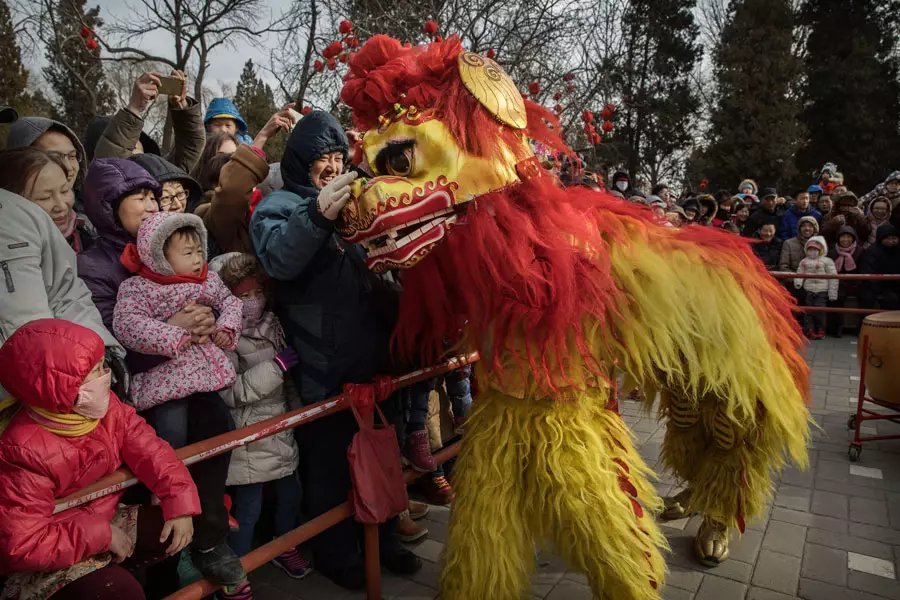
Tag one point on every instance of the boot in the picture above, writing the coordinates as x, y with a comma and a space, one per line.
418, 451
676, 507
711, 544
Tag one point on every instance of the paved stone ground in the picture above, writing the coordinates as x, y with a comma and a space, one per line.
833, 532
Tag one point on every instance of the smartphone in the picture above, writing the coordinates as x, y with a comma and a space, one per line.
170, 86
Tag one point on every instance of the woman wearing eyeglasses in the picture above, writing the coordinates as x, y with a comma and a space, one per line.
180, 192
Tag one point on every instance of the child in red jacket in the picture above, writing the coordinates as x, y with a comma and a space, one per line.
68, 431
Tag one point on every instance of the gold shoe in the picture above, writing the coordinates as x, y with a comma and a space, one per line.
711, 544
676, 507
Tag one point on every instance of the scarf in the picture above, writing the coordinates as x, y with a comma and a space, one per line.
71, 232
71, 425
131, 260
844, 260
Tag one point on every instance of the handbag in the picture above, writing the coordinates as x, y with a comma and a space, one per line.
379, 488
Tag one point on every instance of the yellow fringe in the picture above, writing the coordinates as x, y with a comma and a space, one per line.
535, 471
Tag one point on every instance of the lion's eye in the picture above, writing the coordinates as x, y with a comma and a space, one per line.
400, 162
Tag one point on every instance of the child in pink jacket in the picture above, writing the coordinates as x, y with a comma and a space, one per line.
171, 272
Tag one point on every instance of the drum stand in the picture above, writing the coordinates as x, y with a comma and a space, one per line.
863, 414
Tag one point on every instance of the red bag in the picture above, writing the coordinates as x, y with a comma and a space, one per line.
379, 489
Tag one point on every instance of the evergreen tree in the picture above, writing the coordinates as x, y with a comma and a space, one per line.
13, 76
852, 94
754, 126
75, 72
255, 101
653, 122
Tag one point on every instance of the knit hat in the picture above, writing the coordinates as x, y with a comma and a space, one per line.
895, 176
234, 268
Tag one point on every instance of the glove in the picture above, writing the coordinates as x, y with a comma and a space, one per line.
121, 378
286, 359
334, 196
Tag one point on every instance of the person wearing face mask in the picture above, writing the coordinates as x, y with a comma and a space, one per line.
818, 291
889, 189
882, 258
261, 360
68, 431
41, 177
622, 183
338, 316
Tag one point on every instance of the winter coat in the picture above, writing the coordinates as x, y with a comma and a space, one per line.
116, 136
751, 182
791, 219
141, 311
336, 314
759, 217
769, 252
857, 254
874, 224
822, 265
45, 363
40, 274
794, 249
224, 107
879, 259
854, 218
227, 216
881, 190
163, 171
108, 180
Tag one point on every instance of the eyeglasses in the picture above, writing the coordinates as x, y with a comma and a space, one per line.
71, 157
167, 201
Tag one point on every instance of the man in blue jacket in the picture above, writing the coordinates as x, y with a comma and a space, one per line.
223, 116
338, 316
801, 208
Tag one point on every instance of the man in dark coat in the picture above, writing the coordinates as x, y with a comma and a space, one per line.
338, 315
769, 211
883, 258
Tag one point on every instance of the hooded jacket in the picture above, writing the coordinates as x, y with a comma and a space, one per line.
821, 265
45, 362
787, 229
881, 190
874, 223
116, 136
258, 393
336, 314
754, 188
223, 107
880, 259
857, 253
794, 249
143, 306
27, 130
163, 171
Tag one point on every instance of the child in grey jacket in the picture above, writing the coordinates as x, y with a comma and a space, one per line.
261, 360
818, 291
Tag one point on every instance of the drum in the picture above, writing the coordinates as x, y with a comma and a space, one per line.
883, 368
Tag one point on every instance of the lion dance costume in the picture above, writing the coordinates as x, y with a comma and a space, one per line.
560, 290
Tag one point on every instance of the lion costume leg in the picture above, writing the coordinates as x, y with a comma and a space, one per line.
564, 472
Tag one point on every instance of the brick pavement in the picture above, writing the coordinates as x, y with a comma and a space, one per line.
832, 533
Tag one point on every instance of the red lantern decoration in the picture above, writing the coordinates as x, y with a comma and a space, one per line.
587, 116
534, 88
351, 41
345, 27
491, 54
332, 64
91, 44
558, 108
608, 126
333, 49
438, 38
305, 110
557, 96
431, 27
568, 76
319, 66
704, 184
606, 114
596, 139
343, 57
611, 107
570, 88
85, 31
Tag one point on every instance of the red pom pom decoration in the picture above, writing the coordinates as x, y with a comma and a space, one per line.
319, 66
568, 76
85, 31
491, 54
558, 108
534, 88
608, 126
343, 57
557, 96
345, 27
351, 41
332, 64
92, 44
611, 108
606, 114
333, 49
587, 116
430, 27
305, 110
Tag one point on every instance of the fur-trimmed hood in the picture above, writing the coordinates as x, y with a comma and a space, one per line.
810, 220
234, 267
154, 232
